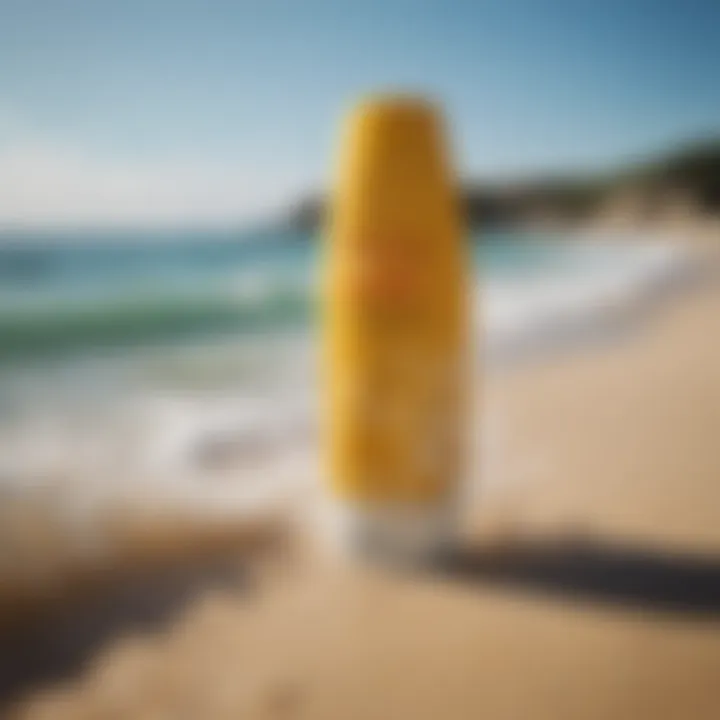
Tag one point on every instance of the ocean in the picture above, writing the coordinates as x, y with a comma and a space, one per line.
182, 364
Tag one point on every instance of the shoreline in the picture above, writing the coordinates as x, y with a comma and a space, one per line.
599, 460
121, 515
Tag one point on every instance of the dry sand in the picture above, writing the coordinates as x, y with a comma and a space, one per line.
590, 587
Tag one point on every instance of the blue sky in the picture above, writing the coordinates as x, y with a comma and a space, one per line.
207, 110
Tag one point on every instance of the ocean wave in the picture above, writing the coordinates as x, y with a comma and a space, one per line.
61, 324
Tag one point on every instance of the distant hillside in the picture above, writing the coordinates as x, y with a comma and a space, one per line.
694, 170
691, 173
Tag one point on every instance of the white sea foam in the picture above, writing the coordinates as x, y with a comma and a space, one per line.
592, 287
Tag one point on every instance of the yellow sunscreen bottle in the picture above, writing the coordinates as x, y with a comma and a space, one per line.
395, 331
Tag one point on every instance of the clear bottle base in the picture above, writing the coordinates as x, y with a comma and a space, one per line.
407, 534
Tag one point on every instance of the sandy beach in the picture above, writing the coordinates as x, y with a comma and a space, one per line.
589, 586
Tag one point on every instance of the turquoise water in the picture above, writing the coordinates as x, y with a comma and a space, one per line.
62, 293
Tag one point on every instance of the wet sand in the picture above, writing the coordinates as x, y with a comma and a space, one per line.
588, 586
